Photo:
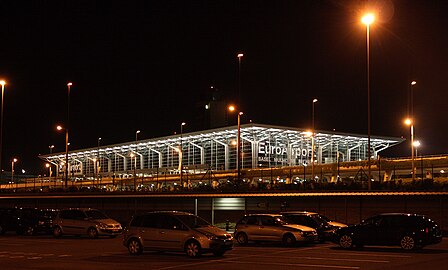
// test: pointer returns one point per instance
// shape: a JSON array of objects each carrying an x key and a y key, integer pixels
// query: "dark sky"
[{"x": 148, "y": 65}]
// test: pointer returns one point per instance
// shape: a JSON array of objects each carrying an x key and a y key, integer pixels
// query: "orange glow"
[
  {"x": 69, "y": 84},
  {"x": 232, "y": 108},
  {"x": 240, "y": 55},
  {"x": 59, "y": 128},
  {"x": 408, "y": 121},
  {"x": 368, "y": 19},
  {"x": 2, "y": 82}
]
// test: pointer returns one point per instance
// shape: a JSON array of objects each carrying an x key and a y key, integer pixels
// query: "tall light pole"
[
  {"x": 98, "y": 158},
  {"x": 2, "y": 82},
  {"x": 135, "y": 180},
  {"x": 416, "y": 146},
  {"x": 66, "y": 152},
  {"x": 410, "y": 123},
  {"x": 48, "y": 165},
  {"x": 135, "y": 159},
  {"x": 238, "y": 143},
  {"x": 240, "y": 56},
  {"x": 368, "y": 19},
  {"x": 14, "y": 160},
  {"x": 181, "y": 153},
  {"x": 66, "y": 133},
  {"x": 312, "y": 142}
]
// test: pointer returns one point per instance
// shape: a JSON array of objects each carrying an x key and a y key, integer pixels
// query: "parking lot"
[{"x": 46, "y": 252}]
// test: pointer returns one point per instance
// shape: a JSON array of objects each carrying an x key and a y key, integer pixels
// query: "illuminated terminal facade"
[{"x": 262, "y": 146}]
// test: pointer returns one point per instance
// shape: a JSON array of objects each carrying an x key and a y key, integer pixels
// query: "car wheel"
[
  {"x": 407, "y": 243},
  {"x": 193, "y": 249},
  {"x": 346, "y": 241},
  {"x": 92, "y": 233},
  {"x": 219, "y": 253},
  {"x": 242, "y": 239},
  {"x": 134, "y": 247},
  {"x": 57, "y": 231},
  {"x": 289, "y": 240}
]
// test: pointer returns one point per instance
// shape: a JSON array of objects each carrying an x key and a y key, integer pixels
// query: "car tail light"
[{"x": 427, "y": 230}]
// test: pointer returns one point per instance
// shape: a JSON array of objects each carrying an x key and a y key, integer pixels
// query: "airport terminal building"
[{"x": 262, "y": 146}]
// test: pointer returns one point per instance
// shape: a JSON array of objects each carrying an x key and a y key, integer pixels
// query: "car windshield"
[
  {"x": 283, "y": 220},
  {"x": 193, "y": 221},
  {"x": 321, "y": 219},
  {"x": 95, "y": 214}
]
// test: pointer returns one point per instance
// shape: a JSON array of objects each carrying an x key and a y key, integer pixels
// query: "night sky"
[{"x": 149, "y": 65}]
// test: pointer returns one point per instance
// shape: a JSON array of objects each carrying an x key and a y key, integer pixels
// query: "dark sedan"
[{"x": 409, "y": 231}]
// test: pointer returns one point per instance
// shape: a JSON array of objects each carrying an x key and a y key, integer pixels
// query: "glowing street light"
[
  {"x": 312, "y": 142},
  {"x": 238, "y": 142},
  {"x": 368, "y": 19},
  {"x": 240, "y": 56},
  {"x": 410, "y": 123},
  {"x": 66, "y": 152},
  {"x": 2, "y": 82},
  {"x": 14, "y": 160},
  {"x": 416, "y": 146},
  {"x": 181, "y": 152}
]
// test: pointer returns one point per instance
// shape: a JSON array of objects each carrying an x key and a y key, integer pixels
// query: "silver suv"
[
  {"x": 272, "y": 227},
  {"x": 175, "y": 231},
  {"x": 82, "y": 221}
]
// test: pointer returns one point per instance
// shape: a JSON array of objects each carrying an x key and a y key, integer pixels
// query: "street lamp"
[
  {"x": 14, "y": 160},
  {"x": 240, "y": 56},
  {"x": 66, "y": 132},
  {"x": 98, "y": 158},
  {"x": 135, "y": 165},
  {"x": 48, "y": 165},
  {"x": 410, "y": 123},
  {"x": 368, "y": 19},
  {"x": 66, "y": 152},
  {"x": 238, "y": 143},
  {"x": 416, "y": 146},
  {"x": 181, "y": 152},
  {"x": 2, "y": 82},
  {"x": 312, "y": 142}
]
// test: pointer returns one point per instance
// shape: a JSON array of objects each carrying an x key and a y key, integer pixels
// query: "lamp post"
[
  {"x": 240, "y": 56},
  {"x": 97, "y": 165},
  {"x": 48, "y": 165},
  {"x": 14, "y": 160},
  {"x": 2, "y": 82},
  {"x": 66, "y": 133},
  {"x": 238, "y": 143},
  {"x": 416, "y": 146},
  {"x": 181, "y": 153},
  {"x": 66, "y": 152},
  {"x": 135, "y": 180},
  {"x": 410, "y": 123},
  {"x": 367, "y": 20},
  {"x": 312, "y": 142}
]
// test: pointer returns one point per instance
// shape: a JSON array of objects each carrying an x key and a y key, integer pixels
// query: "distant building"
[{"x": 262, "y": 146}]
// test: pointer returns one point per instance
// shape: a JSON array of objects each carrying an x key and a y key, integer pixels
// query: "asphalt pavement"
[{"x": 46, "y": 252}]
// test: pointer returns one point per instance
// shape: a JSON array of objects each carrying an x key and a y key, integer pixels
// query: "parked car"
[
  {"x": 85, "y": 221},
  {"x": 175, "y": 231},
  {"x": 313, "y": 220},
  {"x": 25, "y": 221},
  {"x": 409, "y": 231},
  {"x": 272, "y": 227}
]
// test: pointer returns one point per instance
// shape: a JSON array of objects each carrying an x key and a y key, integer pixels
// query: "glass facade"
[{"x": 262, "y": 146}]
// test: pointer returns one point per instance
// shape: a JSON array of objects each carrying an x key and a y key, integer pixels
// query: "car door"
[
  {"x": 171, "y": 233},
  {"x": 270, "y": 229},
  {"x": 148, "y": 231},
  {"x": 251, "y": 227},
  {"x": 368, "y": 232}
]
